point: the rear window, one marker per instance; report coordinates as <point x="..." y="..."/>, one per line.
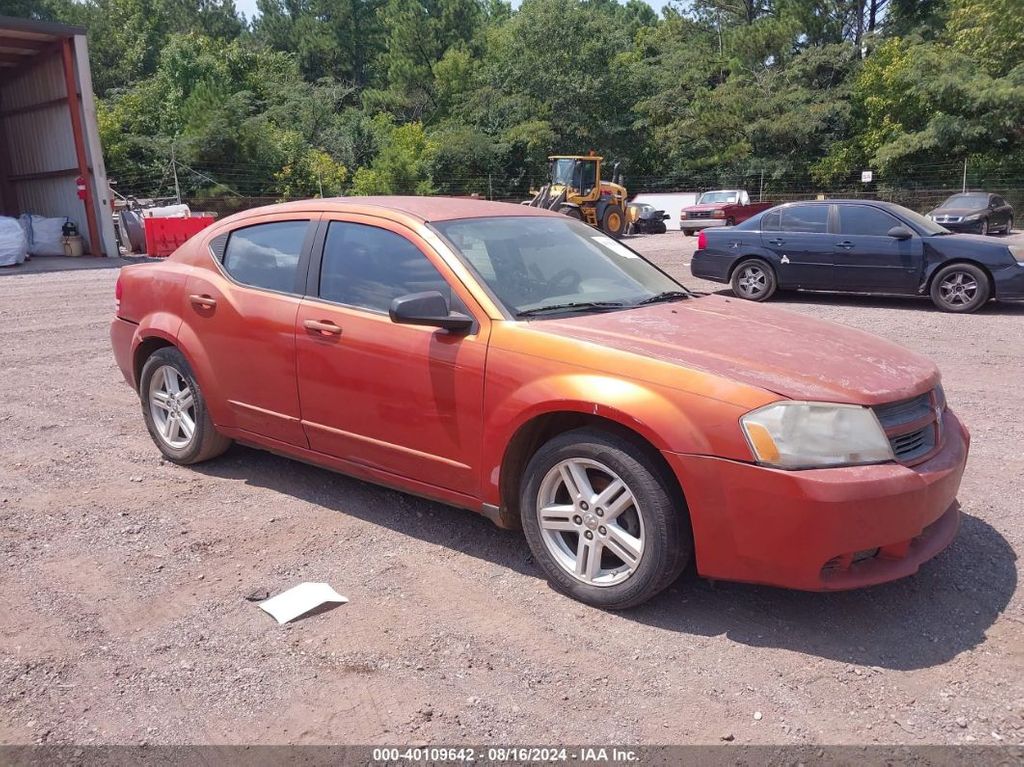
<point x="266" y="255"/>
<point x="795" y="218"/>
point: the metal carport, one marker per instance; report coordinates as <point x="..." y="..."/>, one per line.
<point x="49" y="140"/>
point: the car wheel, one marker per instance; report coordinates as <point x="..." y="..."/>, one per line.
<point x="754" y="280"/>
<point x="602" y="521"/>
<point x="984" y="226"/>
<point x="960" y="288"/>
<point x="175" y="410"/>
<point x="730" y="222"/>
<point x="688" y="232"/>
<point x="1009" y="226"/>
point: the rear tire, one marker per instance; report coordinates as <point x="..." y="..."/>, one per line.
<point x="613" y="222"/>
<point x="688" y="232"/>
<point x="614" y="533"/>
<point x="754" y="280"/>
<point x="175" y="411"/>
<point x="960" y="288"/>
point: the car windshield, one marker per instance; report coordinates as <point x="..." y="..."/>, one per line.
<point x="924" y="224"/>
<point x="973" y="201"/>
<point x="541" y="264"/>
<point x="708" y="197"/>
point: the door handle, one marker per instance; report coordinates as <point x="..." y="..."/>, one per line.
<point x="845" y="244"/>
<point x="777" y="241"/>
<point x="323" y="327"/>
<point x="204" y="300"/>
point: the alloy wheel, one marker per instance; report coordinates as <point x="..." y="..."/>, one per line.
<point x="589" y="522"/>
<point x="752" y="281"/>
<point x="172" y="406"/>
<point x="958" y="288"/>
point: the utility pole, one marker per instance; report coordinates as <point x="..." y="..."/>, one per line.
<point x="490" y="188"/>
<point x="174" y="170"/>
<point x="964" y="189"/>
<point x="760" y="190"/>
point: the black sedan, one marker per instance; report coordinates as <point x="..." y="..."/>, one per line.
<point x="856" y="246"/>
<point x="979" y="212"/>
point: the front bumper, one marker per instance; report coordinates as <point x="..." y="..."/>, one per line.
<point x="818" y="529"/>
<point x="964" y="227"/>
<point x="700" y="223"/>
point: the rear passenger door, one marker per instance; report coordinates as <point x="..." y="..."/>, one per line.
<point x="868" y="259"/>
<point x="241" y="311"/>
<point x="799" y="236"/>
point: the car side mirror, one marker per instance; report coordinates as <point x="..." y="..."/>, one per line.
<point x="665" y="216"/>
<point x="900" y="233"/>
<point x="429" y="308"/>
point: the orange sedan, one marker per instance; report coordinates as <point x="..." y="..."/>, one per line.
<point x="520" y="364"/>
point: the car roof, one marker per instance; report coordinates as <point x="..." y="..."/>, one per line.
<point x="846" y="201"/>
<point x="424" y="209"/>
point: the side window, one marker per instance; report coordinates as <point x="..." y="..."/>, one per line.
<point x="865" y="221"/>
<point x="266" y="255"/>
<point x="368" y="267"/>
<point x="805" y="218"/>
<point x="770" y="221"/>
<point x="998" y="201"/>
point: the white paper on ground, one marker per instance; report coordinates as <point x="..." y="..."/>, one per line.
<point x="290" y="604"/>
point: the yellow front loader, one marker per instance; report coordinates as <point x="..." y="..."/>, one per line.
<point x="575" y="188"/>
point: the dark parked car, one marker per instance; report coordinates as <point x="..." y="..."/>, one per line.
<point x="642" y="218"/>
<point x="856" y="246"/>
<point x="978" y="212"/>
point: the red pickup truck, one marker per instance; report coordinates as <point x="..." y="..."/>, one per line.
<point x="723" y="207"/>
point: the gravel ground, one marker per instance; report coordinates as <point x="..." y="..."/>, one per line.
<point x="124" y="581"/>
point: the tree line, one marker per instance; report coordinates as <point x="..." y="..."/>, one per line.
<point x="331" y="97"/>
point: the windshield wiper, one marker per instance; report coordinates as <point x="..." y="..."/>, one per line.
<point x="573" y="306"/>
<point x="668" y="295"/>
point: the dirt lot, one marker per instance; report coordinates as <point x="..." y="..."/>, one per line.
<point x="123" y="582"/>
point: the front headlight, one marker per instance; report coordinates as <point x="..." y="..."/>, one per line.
<point x="682" y="214"/>
<point x="972" y="217"/>
<point x="804" y="435"/>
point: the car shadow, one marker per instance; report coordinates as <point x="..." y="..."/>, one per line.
<point x="914" y="623"/>
<point x="920" y="304"/>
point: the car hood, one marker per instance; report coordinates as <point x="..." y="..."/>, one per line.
<point x="792" y="355"/>
<point x="956" y="211"/>
<point x="707" y="206"/>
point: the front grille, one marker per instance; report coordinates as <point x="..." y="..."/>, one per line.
<point x="911" y="426"/>
<point x="699" y="214"/>
<point x="908" y="447"/>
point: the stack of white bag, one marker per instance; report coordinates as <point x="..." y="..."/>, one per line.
<point x="45" y="235"/>
<point x="13" y="242"/>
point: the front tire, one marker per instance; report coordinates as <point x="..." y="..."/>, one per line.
<point x="960" y="288"/>
<point x="754" y="280"/>
<point x="984" y="226"/>
<point x="175" y="410"/>
<point x="688" y="232"/>
<point x="602" y="520"/>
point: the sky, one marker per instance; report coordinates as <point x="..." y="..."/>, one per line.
<point x="248" y="7"/>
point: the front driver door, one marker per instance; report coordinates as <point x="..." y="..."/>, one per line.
<point x="404" y="399"/>
<point x="868" y="259"/>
